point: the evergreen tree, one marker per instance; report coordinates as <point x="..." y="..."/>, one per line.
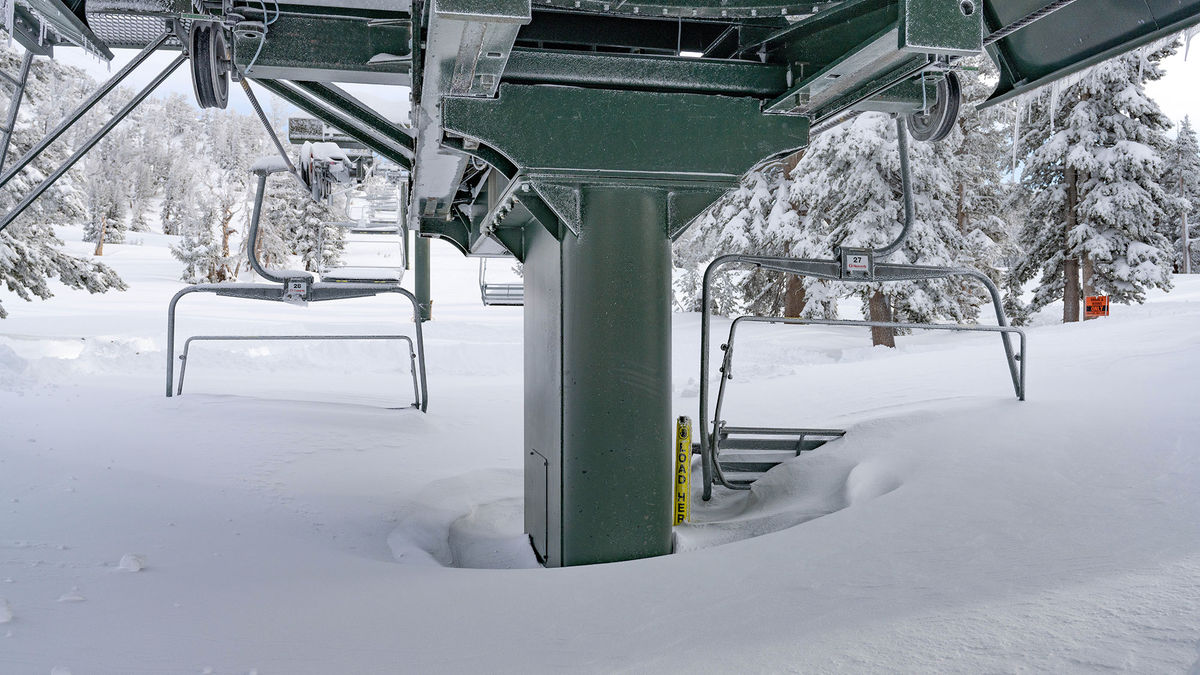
<point x="1095" y="175"/>
<point x="734" y="224"/>
<point x="318" y="244"/>
<point x="978" y="158"/>
<point x="1182" y="179"/>
<point x="105" y="193"/>
<point x="198" y="250"/>
<point x="30" y="252"/>
<point x="847" y="185"/>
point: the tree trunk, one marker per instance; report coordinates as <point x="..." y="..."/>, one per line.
<point x="793" y="297"/>
<point x="1089" y="286"/>
<point x="100" y="238"/>
<point x="879" y="310"/>
<point x="1071" y="290"/>
<point x="224" y="272"/>
<point x="1071" y="264"/>
<point x="962" y="208"/>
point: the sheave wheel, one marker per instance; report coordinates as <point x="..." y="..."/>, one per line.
<point x="937" y="122"/>
<point x="210" y="65"/>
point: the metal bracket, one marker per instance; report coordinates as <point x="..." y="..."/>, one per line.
<point x="295" y="291"/>
<point x="857" y="263"/>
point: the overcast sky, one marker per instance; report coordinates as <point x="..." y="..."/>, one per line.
<point x="1176" y="93"/>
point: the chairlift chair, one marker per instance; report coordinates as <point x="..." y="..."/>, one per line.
<point x="736" y="456"/>
<point x="500" y="294"/>
<point x="300" y="287"/>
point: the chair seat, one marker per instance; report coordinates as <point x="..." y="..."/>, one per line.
<point x="362" y="275"/>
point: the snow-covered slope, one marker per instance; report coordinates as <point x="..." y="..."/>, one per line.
<point x="289" y="519"/>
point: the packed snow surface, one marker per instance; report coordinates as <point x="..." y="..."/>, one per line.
<point x="290" y="514"/>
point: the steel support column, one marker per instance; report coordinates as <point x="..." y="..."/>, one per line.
<point x="421" y="263"/>
<point x="598" y="463"/>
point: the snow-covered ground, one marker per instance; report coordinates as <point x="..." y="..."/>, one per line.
<point x="289" y="515"/>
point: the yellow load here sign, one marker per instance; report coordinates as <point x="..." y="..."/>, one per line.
<point x="683" y="469"/>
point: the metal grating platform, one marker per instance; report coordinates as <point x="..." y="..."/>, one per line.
<point x="131" y="24"/>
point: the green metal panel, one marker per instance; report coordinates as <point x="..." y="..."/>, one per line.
<point x="646" y="73"/>
<point x="329" y="49"/>
<point x="421" y="286"/>
<point x="598" y="394"/>
<point x="1077" y="36"/>
<point x="543" y="394"/>
<point x="624" y="133"/>
<point x="942" y="26"/>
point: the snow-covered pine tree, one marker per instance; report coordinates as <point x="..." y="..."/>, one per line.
<point x="1183" y="180"/>
<point x="1095" y="173"/>
<point x="177" y="186"/>
<point x="106" y="193"/>
<point x="275" y="228"/>
<point x="318" y="244"/>
<point x="847" y="186"/>
<point x="734" y="224"/>
<point x="979" y="156"/>
<point x="30" y="252"/>
<point x="197" y="249"/>
<point x="793" y="231"/>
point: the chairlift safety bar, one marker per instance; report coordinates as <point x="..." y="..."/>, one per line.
<point x="412" y="354"/>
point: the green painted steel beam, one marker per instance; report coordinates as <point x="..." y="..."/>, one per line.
<point x="454" y="230"/>
<point x="329" y="49"/>
<point x="746" y="10"/>
<point x="337" y="120"/>
<point x="339" y="100"/>
<point x="661" y="137"/>
<point x="421" y="271"/>
<point x="1076" y="37"/>
<point x="598" y="461"/>
<point x="829" y="36"/>
<point x="646" y="73"/>
<point x="614" y="34"/>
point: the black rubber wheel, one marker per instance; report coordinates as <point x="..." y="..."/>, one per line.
<point x="937" y="122"/>
<point x="210" y="65"/>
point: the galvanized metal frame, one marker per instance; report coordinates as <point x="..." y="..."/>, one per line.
<point x="831" y="270"/>
<point x="711" y="451"/>
<point x="412" y="355"/>
<point x="388" y="142"/>
<point x="83" y="108"/>
<point x="317" y="291"/>
<point x="499" y="293"/>
<point x="89" y="143"/>
<point x="14" y="104"/>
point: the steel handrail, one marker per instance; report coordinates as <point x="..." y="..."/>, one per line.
<point x="271" y="292"/>
<point x="829" y="270"/>
<point x="711" y="450"/>
<point x="412" y="355"/>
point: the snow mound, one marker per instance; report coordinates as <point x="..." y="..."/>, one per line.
<point x="472" y="521"/>
<point x="12" y="367"/>
<point x="269" y="164"/>
<point x="816" y="484"/>
<point x="132" y="562"/>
